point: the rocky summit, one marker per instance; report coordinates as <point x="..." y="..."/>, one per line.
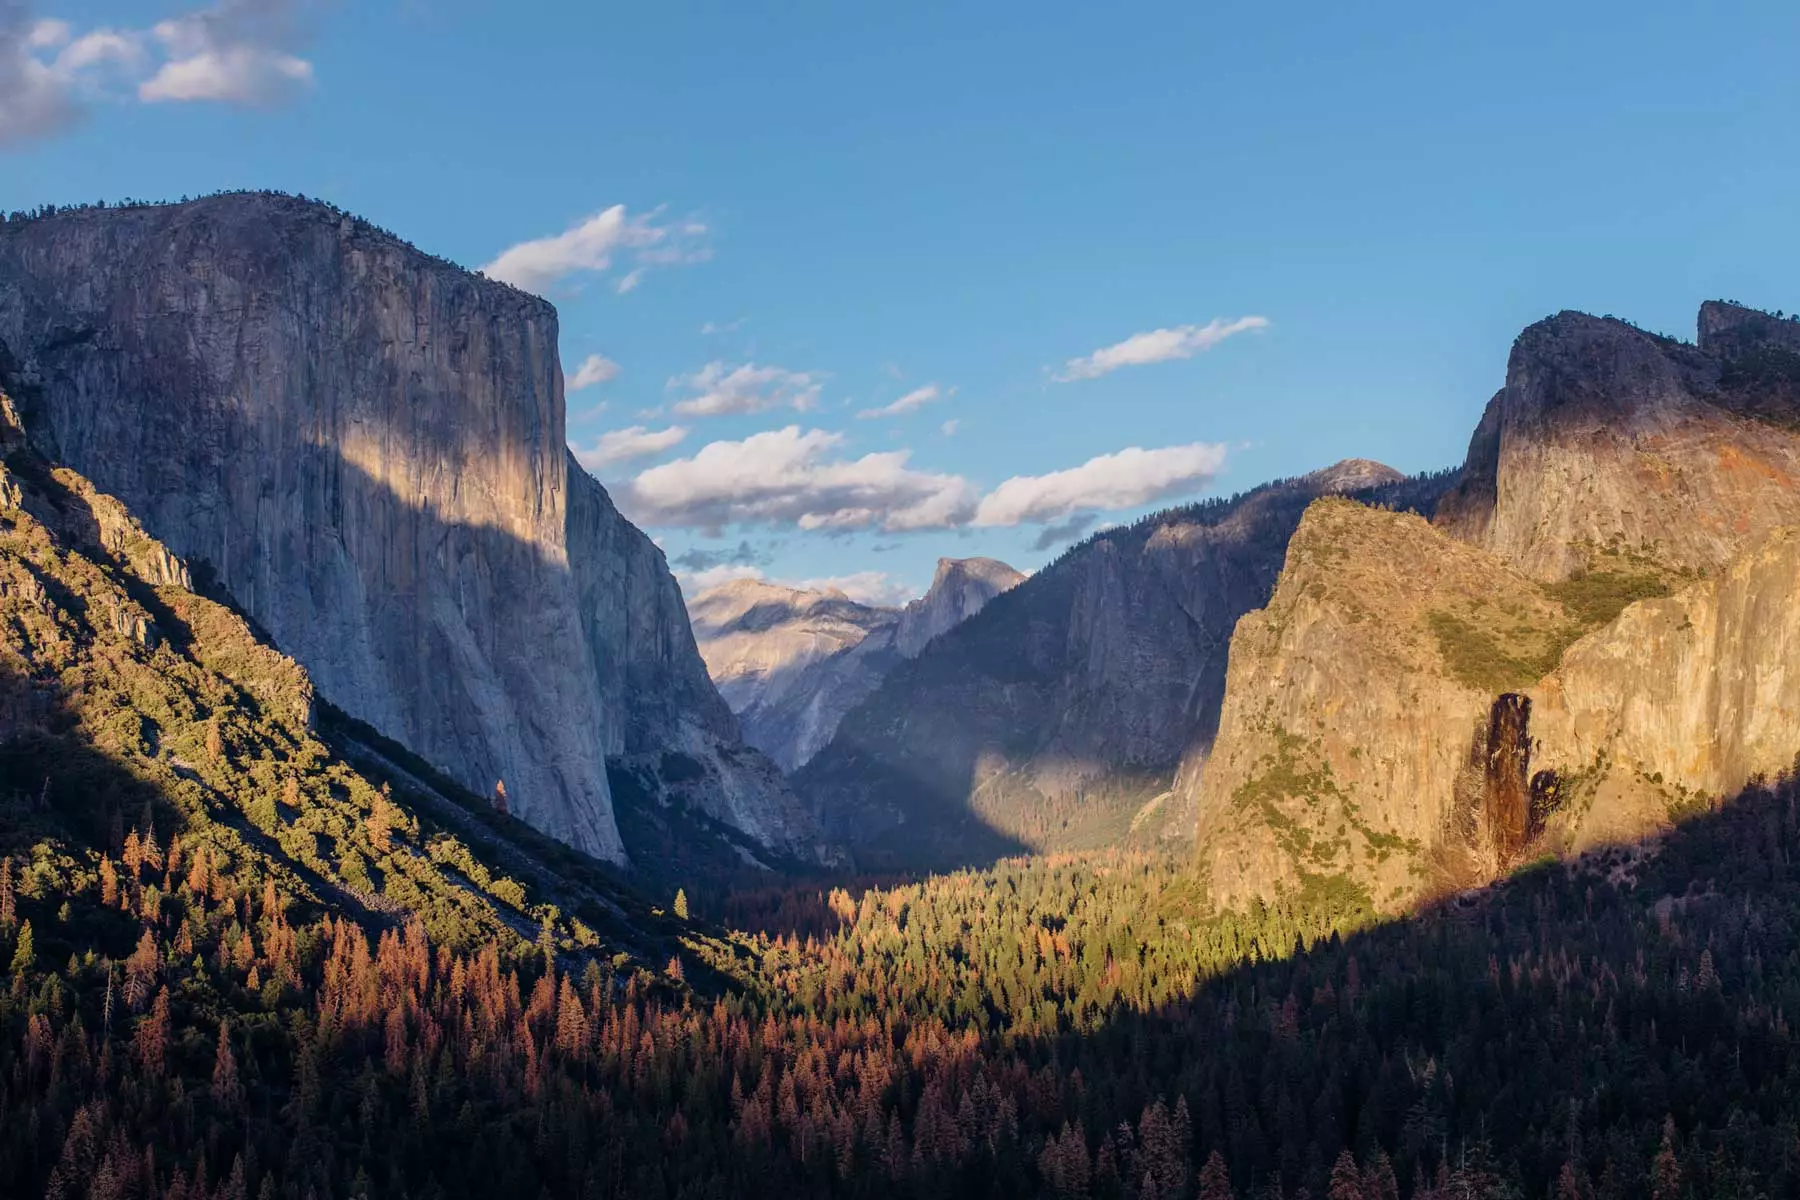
<point x="363" y="448"/>
<point x="791" y="662"/>
<point x="1596" y="635"/>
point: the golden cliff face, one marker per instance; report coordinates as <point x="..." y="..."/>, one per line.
<point x="1600" y="630"/>
<point x="1356" y="707"/>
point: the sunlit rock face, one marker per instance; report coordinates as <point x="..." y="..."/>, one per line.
<point x="364" y="447"/>
<point x="1605" y="434"/>
<point x="1681" y="701"/>
<point x="791" y="662"/>
<point x="1600" y="630"/>
<point x="1349" y="747"/>
<point x="1059" y="715"/>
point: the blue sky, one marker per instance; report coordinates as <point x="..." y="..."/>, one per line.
<point x="860" y="204"/>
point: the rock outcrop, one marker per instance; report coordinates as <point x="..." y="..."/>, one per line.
<point x="1607" y="435"/>
<point x="1058" y="716"/>
<point x="792" y="662"/>
<point x="1358" y="707"/>
<point x="1681" y="701"/>
<point x="1600" y="630"/>
<point x="364" y="448"/>
<point x="960" y="588"/>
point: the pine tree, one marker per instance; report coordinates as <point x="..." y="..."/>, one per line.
<point x="1665" y="1169"/>
<point x="8" y="910"/>
<point x="1378" y="1177"/>
<point x="225" y="1087"/>
<point x="1346" y="1179"/>
<point x="24" y="954"/>
<point x="681" y="903"/>
<point x="1215" y="1179"/>
<point x="151" y="1041"/>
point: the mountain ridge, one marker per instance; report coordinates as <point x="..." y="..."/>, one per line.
<point x="1616" y="643"/>
<point x="791" y="662"/>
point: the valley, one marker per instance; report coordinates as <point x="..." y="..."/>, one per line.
<point x="379" y="818"/>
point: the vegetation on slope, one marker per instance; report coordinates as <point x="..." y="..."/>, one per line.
<point x="242" y="959"/>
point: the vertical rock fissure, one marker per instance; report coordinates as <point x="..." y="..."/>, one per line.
<point x="1508" y="790"/>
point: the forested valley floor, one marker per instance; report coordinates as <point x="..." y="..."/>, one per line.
<point x="176" y="1024"/>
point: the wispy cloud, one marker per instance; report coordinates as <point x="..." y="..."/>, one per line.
<point x="1051" y="536"/>
<point x="744" y="554"/>
<point x="865" y="587"/>
<point x="623" y="445"/>
<point x="949" y="428"/>
<point x="719" y="389"/>
<point x="237" y="52"/>
<point x="796" y="478"/>
<point x="593" y="245"/>
<point x="1126" y="479"/>
<point x="1158" y="345"/>
<point x="241" y="52"/>
<point x="911" y="402"/>
<point x="876" y="588"/>
<point x="693" y="583"/>
<point x="594" y="369"/>
<point x="712" y="327"/>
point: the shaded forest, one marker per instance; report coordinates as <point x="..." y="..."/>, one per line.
<point x="1052" y="1027"/>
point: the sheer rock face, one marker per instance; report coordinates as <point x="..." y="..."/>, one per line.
<point x="365" y="448"/>
<point x="791" y="663"/>
<point x="1345" y="734"/>
<point x="960" y="588"/>
<point x="678" y="739"/>
<point x="1693" y="694"/>
<point x="1060" y="713"/>
<point x="1605" y="433"/>
<point x="1360" y="702"/>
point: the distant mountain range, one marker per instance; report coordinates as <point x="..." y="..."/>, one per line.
<point x="1587" y="627"/>
<point x="1058" y="716"/>
<point x="792" y="662"/>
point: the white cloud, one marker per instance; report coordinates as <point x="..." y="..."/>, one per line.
<point x="237" y="52"/>
<point x="720" y="389"/>
<point x="594" y="369"/>
<point x="623" y="445"/>
<point x="949" y="428"/>
<point x="712" y="327"/>
<point x="1126" y="479"/>
<point x="694" y="582"/>
<point x="45" y="34"/>
<point x="790" y="477"/>
<point x="100" y="48"/>
<point x="1158" y="345"/>
<point x="592" y="246"/>
<point x="864" y="587"/>
<point x="911" y="402"/>
<point x="35" y="101"/>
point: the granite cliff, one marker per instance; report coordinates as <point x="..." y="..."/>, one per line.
<point x="791" y="662"/>
<point x="363" y="448"/>
<point x="1605" y="434"/>
<point x="1058" y="716"/>
<point x="1597" y="633"/>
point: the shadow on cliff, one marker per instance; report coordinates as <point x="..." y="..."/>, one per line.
<point x="1059" y="717"/>
<point x="1582" y="1015"/>
<point x="309" y="526"/>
